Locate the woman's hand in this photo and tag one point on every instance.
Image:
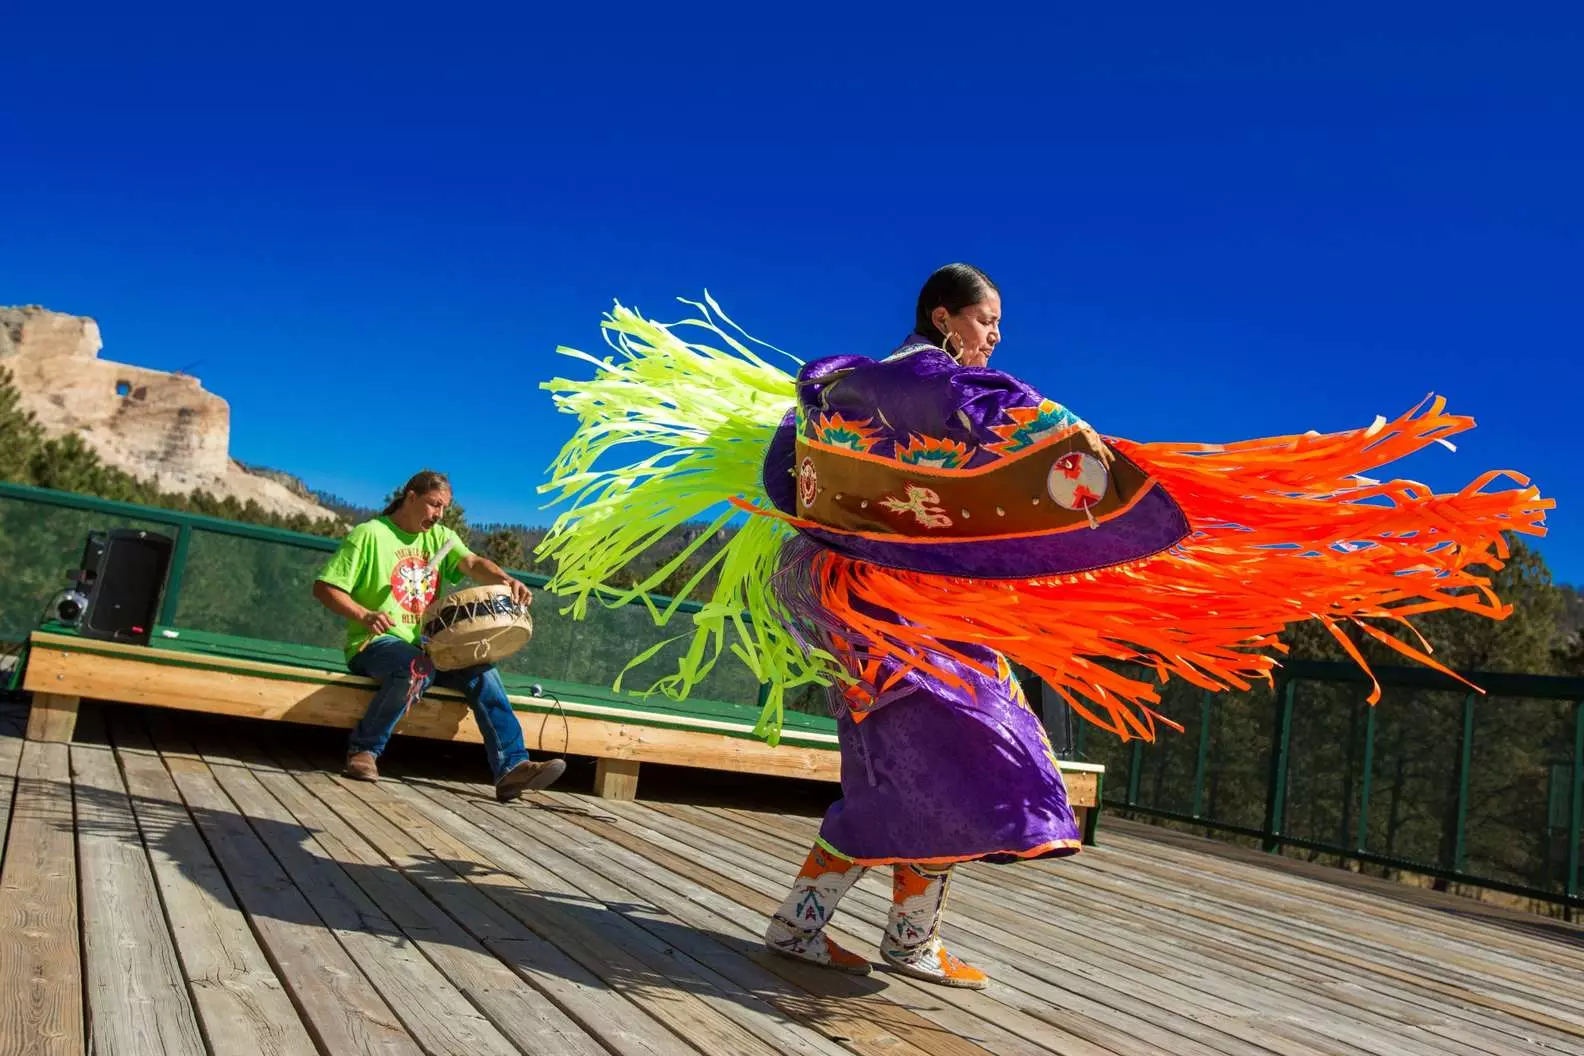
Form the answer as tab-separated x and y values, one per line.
1101	451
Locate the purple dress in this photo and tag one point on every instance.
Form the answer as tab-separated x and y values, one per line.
938	776
931	773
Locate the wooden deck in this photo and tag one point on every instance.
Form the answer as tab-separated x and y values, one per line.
181	884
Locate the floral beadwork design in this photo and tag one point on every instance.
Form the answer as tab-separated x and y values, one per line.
853	434
932	451
1029	425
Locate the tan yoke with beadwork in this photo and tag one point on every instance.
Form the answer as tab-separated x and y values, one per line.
1057	484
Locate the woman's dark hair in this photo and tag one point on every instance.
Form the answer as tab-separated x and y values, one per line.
954	287
422	482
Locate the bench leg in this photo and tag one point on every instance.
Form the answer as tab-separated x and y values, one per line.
616	779
53	717
1089	823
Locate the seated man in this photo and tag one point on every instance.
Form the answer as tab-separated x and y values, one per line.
381	579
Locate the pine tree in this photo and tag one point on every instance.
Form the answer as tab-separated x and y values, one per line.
20	435
504	547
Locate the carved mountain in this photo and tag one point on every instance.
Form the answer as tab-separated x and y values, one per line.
156	425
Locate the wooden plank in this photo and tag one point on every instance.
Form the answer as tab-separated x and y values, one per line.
1231	868
589	701
1129	948
1282	981
581	919
586	937
1435	904
759	900
1525	936
520	1011
1345	959
1399	950
1150	1008
1116	929
1083	795
135	682
1319	978
1297	987
1313	905
10	758
1338	975
616	779
722	976
726	936
1011	958
846	1008
592	701
52	717
41	1008
1337	1010
438	1015
340	1007
1340	967
606	1015
1324	980
340	702
241	1004
138	1001
1083	787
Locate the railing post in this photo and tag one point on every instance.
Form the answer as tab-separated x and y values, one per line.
173	581
1369	778
1576	809
1204	750
1135	765
1276	793
1465	757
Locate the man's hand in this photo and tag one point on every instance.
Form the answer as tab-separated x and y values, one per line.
483	570
520	592
376	621
340	602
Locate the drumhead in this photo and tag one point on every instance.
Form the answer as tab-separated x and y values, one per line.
475	625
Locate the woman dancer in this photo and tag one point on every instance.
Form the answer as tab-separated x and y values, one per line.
920	518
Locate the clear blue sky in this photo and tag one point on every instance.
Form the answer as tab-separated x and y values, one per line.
368	232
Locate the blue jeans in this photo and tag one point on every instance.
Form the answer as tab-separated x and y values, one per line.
404	672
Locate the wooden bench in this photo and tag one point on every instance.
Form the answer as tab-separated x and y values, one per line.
223	675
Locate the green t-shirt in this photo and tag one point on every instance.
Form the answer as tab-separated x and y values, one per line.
387	569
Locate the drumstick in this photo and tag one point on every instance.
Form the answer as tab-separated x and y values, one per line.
434	562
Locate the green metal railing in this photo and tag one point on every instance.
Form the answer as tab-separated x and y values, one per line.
253	581
1503	770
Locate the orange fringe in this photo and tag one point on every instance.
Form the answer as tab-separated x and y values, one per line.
1281	531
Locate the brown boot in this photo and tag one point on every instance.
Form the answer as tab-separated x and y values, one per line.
528	777
360	767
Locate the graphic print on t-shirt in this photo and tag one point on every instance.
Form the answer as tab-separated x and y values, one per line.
412	584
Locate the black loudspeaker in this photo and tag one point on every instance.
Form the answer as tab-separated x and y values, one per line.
122	577
1058	719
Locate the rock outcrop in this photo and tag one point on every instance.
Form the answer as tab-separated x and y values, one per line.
156	425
